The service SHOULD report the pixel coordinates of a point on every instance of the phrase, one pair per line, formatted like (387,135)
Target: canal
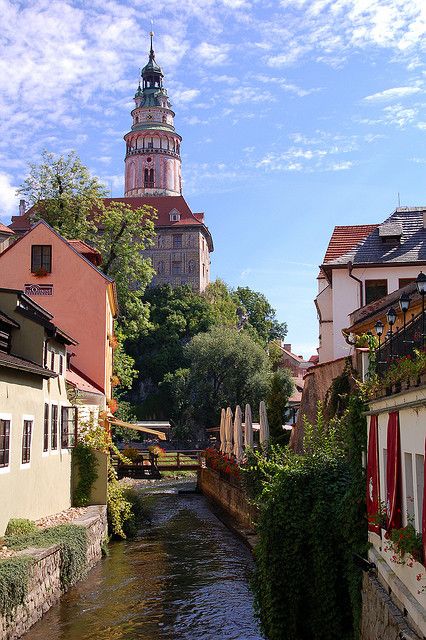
(185,577)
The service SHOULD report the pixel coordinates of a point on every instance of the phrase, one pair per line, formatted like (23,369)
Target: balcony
(168,152)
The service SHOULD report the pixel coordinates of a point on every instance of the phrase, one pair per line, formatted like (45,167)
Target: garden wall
(232,499)
(381,618)
(44,589)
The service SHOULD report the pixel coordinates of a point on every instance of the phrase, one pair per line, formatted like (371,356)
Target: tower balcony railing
(147,151)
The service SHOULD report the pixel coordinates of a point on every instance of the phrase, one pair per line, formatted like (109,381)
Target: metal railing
(401,342)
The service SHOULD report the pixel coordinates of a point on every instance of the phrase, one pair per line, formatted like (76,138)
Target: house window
(46,428)
(69,417)
(26,441)
(52,360)
(177,241)
(54,427)
(61,365)
(4,442)
(409,486)
(41,258)
(176,268)
(375,289)
(404,281)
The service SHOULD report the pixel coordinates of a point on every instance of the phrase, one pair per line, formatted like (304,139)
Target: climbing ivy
(72,540)
(311,521)
(84,458)
(14,576)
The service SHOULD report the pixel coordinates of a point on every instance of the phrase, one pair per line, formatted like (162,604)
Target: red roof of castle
(345,238)
(163,204)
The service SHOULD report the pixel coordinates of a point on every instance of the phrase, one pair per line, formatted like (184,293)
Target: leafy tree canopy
(281,388)
(260,314)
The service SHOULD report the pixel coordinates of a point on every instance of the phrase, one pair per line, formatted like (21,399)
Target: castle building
(181,253)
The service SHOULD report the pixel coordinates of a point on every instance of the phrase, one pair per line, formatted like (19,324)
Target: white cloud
(8,198)
(212,54)
(392,94)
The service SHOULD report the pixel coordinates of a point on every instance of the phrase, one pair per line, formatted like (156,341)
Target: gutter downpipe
(350,269)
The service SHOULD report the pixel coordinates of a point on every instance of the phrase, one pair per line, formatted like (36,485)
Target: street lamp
(378,327)
(391,318)
(421,288)
(404,304)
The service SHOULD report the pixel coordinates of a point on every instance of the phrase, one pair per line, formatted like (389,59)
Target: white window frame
(29,418)
(8,417)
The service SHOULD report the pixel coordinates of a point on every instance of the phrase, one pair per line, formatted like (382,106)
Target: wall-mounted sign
(38,289)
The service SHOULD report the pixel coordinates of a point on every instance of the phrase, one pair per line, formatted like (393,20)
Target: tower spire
(151,53)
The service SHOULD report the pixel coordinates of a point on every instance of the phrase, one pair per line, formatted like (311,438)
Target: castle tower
(152,163)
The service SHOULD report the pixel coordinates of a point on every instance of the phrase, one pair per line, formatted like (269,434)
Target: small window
(68,427)
(46,428)
(52,360)
(26,441)
(4,442)
(375,289)
(409,486)
(404,281)
(61,365)
(174,216)
(41,258)
(176,268)
(54,427)
(177,241)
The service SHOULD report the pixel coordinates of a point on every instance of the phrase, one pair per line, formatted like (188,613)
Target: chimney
(287,347)
(22,207)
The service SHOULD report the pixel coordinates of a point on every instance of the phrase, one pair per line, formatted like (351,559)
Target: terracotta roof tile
(4,229)
(345,238)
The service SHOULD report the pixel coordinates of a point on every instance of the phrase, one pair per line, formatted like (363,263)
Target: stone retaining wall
(230,498)
(44,589)
(381,618)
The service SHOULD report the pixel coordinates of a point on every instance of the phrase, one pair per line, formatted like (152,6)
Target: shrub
(20,526)
(86,462)
(14,576)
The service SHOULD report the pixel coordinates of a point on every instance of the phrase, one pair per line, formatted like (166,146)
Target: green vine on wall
(311,521)
(14,577)
(84,458)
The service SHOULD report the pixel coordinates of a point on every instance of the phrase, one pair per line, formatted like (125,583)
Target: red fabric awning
(424,512)
(373,478)
(393,474)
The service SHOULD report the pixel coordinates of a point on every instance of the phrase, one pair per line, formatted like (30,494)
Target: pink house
(63,277)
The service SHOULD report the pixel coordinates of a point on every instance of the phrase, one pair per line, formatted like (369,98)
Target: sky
(296,115)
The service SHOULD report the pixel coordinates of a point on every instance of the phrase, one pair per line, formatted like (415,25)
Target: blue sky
(295,115)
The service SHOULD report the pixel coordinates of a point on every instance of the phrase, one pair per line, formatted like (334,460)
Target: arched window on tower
(164,120)
(146,178)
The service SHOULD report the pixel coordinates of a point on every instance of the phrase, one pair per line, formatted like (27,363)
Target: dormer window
(390,232)
(174,216)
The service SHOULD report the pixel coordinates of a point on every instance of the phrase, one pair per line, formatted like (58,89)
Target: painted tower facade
(152,163)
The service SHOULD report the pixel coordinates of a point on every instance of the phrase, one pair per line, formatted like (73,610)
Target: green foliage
(222,302)
(20,526)
(119,508)
(72,540)
(406,541)
(226,368)
(311,520)
(275,354)
(140,510)
(14,577)
(261,316)
(84,458)
(64,194)
(281,388)
(126,232)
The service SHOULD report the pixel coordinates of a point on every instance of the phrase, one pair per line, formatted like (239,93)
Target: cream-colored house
(364,263)
(37,422)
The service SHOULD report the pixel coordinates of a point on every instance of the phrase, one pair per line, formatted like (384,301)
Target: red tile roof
(77,380)
(163,204)
(345,238)
(87,251)
(4,229)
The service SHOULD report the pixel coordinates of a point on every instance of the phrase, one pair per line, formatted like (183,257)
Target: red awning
(373,478)
(393,474)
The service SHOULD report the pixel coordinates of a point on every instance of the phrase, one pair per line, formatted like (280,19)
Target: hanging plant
(115,381)
(113,405)
(40,272)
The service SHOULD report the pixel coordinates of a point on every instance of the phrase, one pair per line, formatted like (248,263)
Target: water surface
(184,578)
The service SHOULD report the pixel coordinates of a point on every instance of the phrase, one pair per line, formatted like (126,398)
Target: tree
(64,194)
(226,368)
(281,388)
(222,302)
(261,316)
(124,232)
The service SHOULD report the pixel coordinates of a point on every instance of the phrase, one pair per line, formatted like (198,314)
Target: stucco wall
(44,589)
(78,302)
(43,486)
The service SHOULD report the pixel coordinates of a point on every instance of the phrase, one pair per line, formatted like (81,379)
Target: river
(184,578)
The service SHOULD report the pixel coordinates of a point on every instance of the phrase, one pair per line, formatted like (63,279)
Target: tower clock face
(149,116)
